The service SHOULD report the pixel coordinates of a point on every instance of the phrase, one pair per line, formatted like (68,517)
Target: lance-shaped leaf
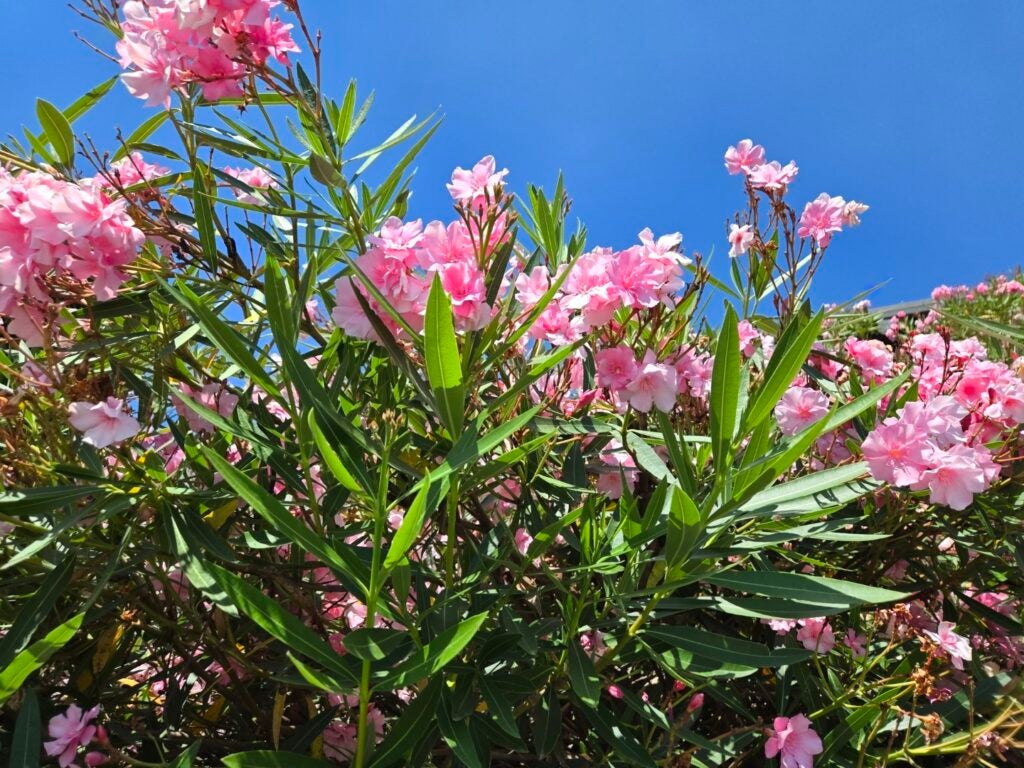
(35,656)
(683,529)
(788,358)
(444,364)
(423,505)
(725,389)
(278,622)
(271,510)
(434,655)
(57,130)
(804,588)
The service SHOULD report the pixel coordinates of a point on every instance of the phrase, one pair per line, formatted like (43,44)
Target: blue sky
(914,108)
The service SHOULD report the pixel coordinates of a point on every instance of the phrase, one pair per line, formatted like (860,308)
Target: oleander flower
(103,423)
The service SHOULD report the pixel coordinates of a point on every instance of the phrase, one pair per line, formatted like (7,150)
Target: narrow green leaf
(583,675)
(725,390)
(683,529)
(57,130)
(423,505)
(37,501)
(269,759)
(271,510)
(802,587)
(434,655)
(281,624)
(227,339)
(332,458)
(417,720)
(36,655)
(787,360)
(722,648)
(35,610)
(444,364)
(27,741)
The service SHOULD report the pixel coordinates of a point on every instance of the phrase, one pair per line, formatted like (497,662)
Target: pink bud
(695,703)
(615,692)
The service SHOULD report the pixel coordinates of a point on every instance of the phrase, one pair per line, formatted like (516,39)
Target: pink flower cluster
(821,218)
(53,227)
(167,44)
(925,447)
(405,256)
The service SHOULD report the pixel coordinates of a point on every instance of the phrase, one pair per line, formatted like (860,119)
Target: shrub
(292,479)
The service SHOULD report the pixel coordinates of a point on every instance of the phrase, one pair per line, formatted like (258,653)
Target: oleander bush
(291,478)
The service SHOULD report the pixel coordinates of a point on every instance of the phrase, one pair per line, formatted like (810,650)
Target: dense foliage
(293,479)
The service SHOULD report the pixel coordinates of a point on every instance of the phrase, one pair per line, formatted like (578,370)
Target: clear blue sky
(915,108)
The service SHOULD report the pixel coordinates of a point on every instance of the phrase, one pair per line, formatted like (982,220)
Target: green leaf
(802,587)
(713,647)
(227,339)
(35,610)
(187,758)
(276,620)
(683,529)
(269,759)
(786,362)
(35,656)
(444,364)
(143,132)
(434,655)
(583,675)
(375,643)
(36,501)
(625,744)
(423,505)
(647,458)
(547,724)
(725,390)
(821,490)
(57,130)
(335,463)
(27,741)
(417,720)
(271,510)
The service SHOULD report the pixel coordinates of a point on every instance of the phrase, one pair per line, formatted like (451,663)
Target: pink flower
(799,408)
(214,397)
(69,732)
(852,212)
(134,169)
(748,335)
(255,178)
(855,642)
(953,477)
(522,540)
(740,239)
(957,646)
(616,367)
(531,286)
(773,176)
(464,284)
(654,385)
(895,452)
(822,217)
(816,635)
(794,739)
(103,423)
(873,357)
(475,185)
(615,692)
(745,156)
